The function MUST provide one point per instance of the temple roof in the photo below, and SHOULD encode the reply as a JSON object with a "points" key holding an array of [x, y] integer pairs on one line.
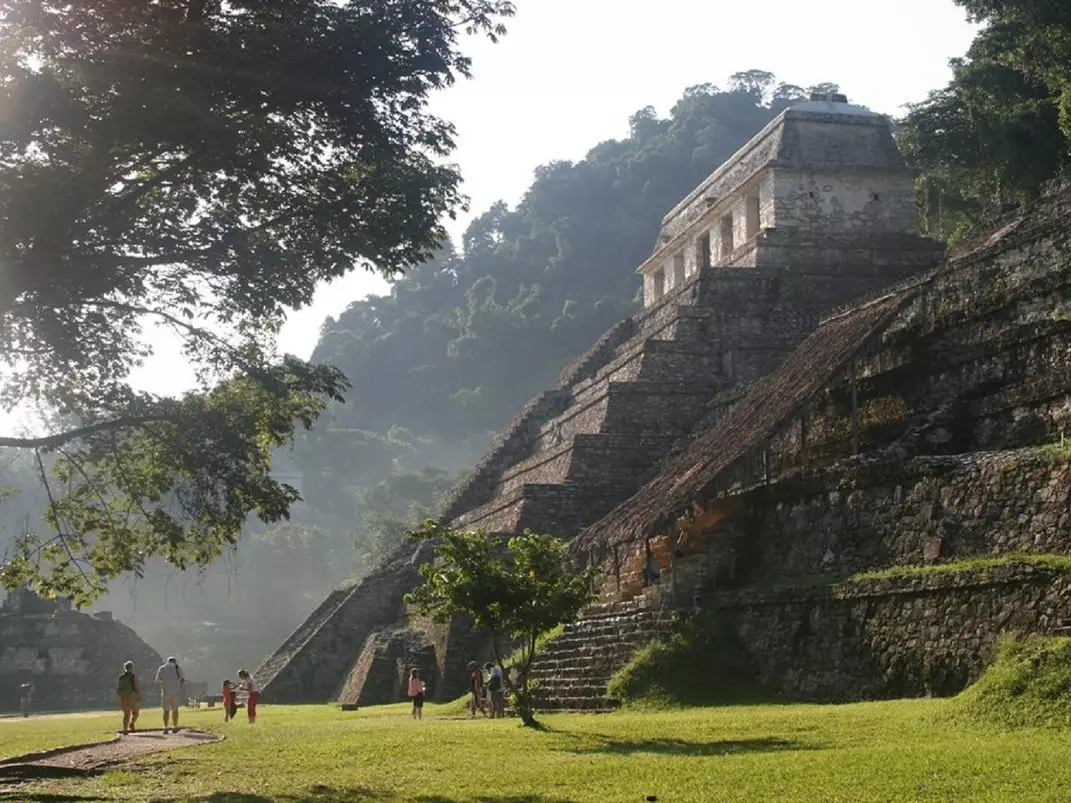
{"points": [[816, 134]]}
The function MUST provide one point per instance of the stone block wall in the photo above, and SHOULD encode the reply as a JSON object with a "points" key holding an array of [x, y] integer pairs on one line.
{"points": [[320, 668], [73, 659], [862, 516], [824, 201], [381, 674], [892, 637]]}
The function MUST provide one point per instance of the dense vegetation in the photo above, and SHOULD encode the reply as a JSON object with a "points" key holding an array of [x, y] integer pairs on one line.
{"points": [[1002, 126]]}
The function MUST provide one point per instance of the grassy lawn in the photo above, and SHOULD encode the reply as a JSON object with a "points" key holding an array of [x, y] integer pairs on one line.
{"points": [[902, 750]]}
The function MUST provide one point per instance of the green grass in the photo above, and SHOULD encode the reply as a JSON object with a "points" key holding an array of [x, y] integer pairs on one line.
{"points": [[1028, 685], [19, 736], [698, 665], [1056, 563], [888, 751]]}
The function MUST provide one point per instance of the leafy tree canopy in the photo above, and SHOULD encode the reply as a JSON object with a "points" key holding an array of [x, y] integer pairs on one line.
{"points": [[1003, 125], [522, 591], [204, 165]]}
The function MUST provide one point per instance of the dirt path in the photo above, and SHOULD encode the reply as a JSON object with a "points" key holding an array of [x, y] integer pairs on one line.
{"points": [[88, 758]]}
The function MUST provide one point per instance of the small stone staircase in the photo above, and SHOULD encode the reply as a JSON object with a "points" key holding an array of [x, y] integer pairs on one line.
{"points": [[572, 670]]}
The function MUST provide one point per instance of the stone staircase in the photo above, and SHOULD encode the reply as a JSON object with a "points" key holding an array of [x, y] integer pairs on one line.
{"points": [[572, 671]]}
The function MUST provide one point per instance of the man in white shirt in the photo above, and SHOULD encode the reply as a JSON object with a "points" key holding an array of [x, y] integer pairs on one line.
{"points": [[171, 679]]}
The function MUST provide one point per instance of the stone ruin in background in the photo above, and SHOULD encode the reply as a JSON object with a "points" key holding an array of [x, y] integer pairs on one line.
{"points": [[71, 658]]}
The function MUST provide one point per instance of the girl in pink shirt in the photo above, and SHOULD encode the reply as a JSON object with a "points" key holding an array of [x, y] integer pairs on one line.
{"points": [[417, 688]]}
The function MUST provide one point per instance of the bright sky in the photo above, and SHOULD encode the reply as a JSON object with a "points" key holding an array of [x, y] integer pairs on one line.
{"points": [[570, 72]]}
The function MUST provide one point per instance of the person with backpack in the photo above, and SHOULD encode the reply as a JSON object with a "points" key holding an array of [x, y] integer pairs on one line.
{"points": [[128, 695], [496, 690]]}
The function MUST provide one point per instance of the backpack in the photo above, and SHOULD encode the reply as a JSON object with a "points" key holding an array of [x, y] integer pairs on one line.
{"points": [[495, 683], [126, 684]]}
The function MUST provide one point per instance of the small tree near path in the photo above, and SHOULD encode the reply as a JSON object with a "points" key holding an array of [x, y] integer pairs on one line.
{"points": [[521, 591]]}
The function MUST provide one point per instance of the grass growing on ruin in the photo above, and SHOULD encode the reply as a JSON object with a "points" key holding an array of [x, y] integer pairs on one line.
{"points": [[1028, 685], [1056, 563], [900, 750], [698, 665]]}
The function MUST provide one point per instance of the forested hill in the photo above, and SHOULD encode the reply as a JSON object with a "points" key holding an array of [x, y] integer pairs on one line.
{"points": [[463, 341]]}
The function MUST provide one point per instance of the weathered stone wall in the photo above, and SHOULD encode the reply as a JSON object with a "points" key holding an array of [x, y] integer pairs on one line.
{"points": [[73, 659], [892, 637], [859, 201], [381, 674], [322, 665], [932, 509], [861, 516]]}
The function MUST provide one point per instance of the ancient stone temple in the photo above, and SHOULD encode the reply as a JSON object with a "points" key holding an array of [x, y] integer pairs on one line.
{"points": [[71, 658], [822, 183], [811, 391]]}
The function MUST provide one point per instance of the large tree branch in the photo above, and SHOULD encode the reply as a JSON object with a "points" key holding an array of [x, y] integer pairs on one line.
{"points": [[61, 438]]}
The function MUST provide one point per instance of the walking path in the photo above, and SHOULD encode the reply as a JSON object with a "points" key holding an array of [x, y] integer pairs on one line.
{"points": [[90, 757]]}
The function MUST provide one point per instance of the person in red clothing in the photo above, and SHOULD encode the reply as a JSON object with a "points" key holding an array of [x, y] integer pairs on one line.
{"points": [[252, 688], [229, 706]]}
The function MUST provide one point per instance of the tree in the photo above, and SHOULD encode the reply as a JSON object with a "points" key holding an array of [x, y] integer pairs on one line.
{"points": [[202, 165], [520, 592], [1002, 127]]}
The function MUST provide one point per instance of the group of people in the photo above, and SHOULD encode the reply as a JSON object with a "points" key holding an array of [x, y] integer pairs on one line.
{"points": [[488, 694], [171, 680]]}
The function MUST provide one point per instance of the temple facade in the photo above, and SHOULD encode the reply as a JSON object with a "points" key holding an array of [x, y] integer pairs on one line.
{"points": [[825, 176]]}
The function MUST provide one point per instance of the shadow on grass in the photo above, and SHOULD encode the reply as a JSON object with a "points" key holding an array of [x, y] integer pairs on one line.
{"points": [[683, 747], [327, 794], [47, 797], [316, 794]]}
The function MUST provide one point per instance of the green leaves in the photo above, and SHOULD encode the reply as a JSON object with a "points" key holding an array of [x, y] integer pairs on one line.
{"points": [[1002, 126], [199, 166], [177, 482], [522, 588]]}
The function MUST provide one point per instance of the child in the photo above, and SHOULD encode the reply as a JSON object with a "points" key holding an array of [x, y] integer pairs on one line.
{"points": [[417, 690], [229, 707]]}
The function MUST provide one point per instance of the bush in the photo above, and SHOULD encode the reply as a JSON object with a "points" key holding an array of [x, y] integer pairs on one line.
{"points": [[1028, 685], [701, 664]]}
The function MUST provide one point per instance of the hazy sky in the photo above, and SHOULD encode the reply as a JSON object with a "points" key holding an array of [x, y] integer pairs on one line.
{"points": [[570, 72]]}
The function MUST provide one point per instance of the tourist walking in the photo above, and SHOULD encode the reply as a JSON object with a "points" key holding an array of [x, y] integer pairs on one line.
{"points": [[128, 695], [417, 689], [26, 691], [496, 690], [475, 680], [171, 681], [252, 688]]}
